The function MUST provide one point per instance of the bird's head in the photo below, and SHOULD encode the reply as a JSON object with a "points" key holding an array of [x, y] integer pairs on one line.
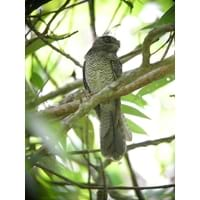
{"points": [[107, 43]]}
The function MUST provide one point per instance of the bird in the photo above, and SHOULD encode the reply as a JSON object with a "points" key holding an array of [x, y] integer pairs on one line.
{"points": [[102, 67]]}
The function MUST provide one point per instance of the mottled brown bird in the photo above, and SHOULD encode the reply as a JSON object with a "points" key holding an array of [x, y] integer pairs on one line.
{"points": [[101, 68]]}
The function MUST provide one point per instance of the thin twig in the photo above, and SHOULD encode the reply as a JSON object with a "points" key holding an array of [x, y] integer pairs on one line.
{"points": [[41, 36], [125, 58], [162, 45], [100, 187], [115, 12], [51, 12], [63, 90], [153, 36], [168, 46], [131, 146], [91, 4], [54, 16], [134, 178], [151, 142], [103, 176]]}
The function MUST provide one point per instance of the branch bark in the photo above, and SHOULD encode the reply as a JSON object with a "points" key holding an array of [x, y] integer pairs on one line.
{"points": [[134, 178], [129, 82], [61, 91], [99, 187], [153, 36], [131, 146]]}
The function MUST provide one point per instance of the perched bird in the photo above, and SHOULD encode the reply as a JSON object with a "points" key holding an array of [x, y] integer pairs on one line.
{"points": [[102, 67]]}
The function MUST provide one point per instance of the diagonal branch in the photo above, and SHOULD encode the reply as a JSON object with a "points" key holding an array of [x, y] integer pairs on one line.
{"points": [[63, 90], [41, 36], [123, 86], [131, 146], [134, 178], [153, 36], [99, 187]]}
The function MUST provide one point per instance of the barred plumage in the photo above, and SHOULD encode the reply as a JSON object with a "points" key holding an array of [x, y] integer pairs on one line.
{"points": [[101, 68]]}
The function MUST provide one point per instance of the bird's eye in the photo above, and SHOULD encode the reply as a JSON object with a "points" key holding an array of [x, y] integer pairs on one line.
{"points": [[107, 39]]}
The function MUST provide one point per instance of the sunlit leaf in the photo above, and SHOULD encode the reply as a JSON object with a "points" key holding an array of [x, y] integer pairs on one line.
{"points": [[133, 111], [168, 17], [135, 127], [128, 3], [36, 80], [155, 85], [36, 43], [138, 100]]}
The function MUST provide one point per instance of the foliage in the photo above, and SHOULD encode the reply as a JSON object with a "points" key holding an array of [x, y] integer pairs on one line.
{"points": [[58, 34]]}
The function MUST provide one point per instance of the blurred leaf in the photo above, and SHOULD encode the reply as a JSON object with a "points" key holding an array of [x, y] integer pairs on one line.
{"points": [[47, 130], [134, 127], [156, 85], [54, 165], [138, 100], [128, 3], [85, 131], [29, 94], [133, 111], [36, 80], [167, 18]]}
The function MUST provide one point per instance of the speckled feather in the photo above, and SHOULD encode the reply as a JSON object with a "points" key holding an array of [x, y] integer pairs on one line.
{"points": [[101, 68]]}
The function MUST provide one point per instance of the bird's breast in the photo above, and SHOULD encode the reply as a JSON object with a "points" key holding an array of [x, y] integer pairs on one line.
{"points": [[98, 71]]}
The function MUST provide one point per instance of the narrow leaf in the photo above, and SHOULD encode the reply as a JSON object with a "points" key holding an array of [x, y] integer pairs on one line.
{"points": [[138, 100], [135, 127], [36, 43], [133, 111], [36, 80], [156, 85], [167, 18]]}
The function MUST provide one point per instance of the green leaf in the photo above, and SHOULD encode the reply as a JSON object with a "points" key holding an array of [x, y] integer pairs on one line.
{"points": [[133, 111], [156, 85], [135, 127], [36, 80], [138, 100], [85, 131], [36, 43], [129, 4], [167, 18]]}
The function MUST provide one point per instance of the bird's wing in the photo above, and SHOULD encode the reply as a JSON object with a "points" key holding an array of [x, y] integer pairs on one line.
{"points": [[116, 67], [84, 79]]}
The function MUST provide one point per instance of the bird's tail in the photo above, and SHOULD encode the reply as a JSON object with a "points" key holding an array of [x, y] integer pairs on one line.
{"points": [[112, 130]]}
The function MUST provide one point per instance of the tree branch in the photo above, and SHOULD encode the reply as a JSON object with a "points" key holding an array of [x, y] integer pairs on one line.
{"points": [[131, 146], [125, 58], [61, 91], [99, 187], [123, 86], [68, 7], [151, 38], [43, 38], [134, 178], [151, 142], [91, 4]]}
